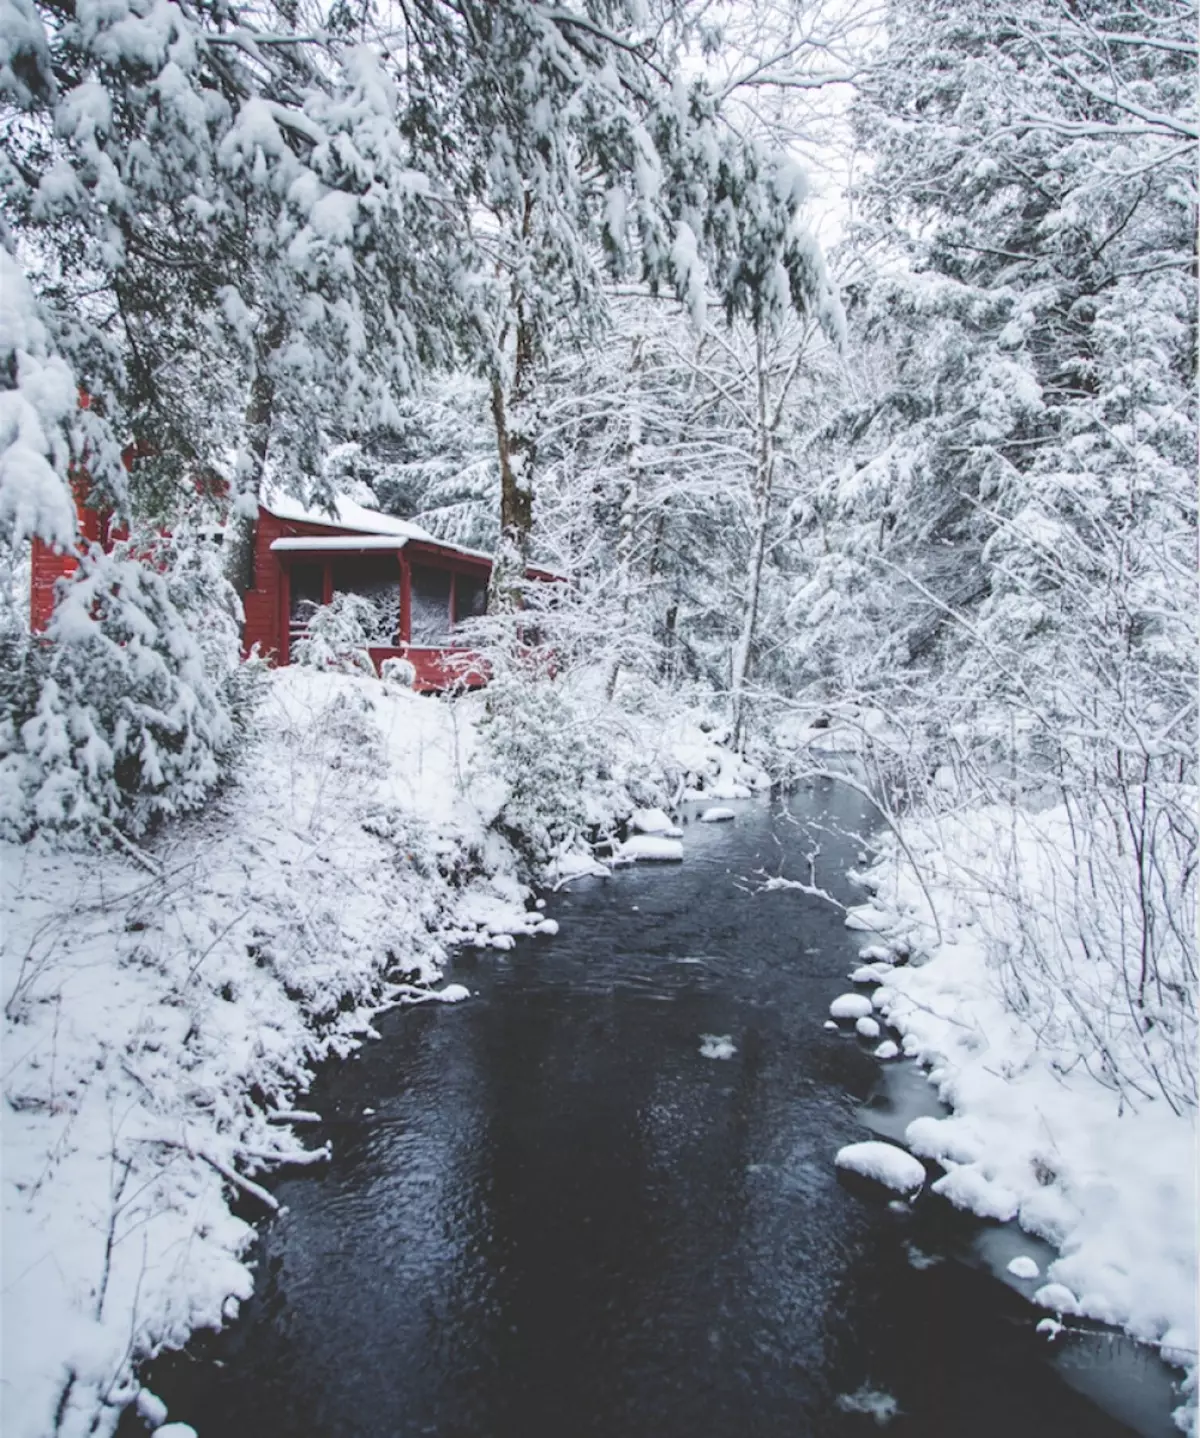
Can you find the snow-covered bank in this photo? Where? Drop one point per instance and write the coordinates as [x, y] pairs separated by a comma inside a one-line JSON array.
[[166, 1005], [164, 1009], [1026, 1021]]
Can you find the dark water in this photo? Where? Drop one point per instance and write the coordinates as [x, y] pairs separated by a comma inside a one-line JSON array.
[[561, 1219]]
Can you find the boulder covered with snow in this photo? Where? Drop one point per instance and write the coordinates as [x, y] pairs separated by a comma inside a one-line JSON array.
[[850, 1006], [653, 821], [653, 848], [717, 815], [869, 918], [883, 1163]]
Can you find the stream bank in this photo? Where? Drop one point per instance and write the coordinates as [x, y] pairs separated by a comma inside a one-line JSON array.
[[599, 1199]]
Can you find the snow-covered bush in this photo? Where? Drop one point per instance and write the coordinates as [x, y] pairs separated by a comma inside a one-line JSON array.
[[546, 751], [119, 715], [338, 635]]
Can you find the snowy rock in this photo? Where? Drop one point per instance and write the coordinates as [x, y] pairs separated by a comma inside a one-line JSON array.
[[717, 1046], [948, 1140], [151, 1407], [578, 865], [1058, 1297], [650, 848], [887, 1050], [829, 1024], [654, 821], [176, 1430], [867, 1028], [885, 1164], [877, 954], [1023, 1267], [870, 918], [870, 974], [716, 815], [453, 994], [968, 1187], [850, 1006]]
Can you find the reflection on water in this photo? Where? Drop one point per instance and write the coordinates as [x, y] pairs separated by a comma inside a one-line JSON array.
[[562, 1218]]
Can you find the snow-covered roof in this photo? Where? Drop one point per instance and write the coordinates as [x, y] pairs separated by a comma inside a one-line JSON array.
[[346, 514], [386, 530]]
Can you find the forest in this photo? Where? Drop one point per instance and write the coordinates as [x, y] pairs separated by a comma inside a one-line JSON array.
[[839, 356]]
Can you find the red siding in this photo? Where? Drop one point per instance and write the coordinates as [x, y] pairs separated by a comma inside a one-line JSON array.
[[48, 566], [261, 604]]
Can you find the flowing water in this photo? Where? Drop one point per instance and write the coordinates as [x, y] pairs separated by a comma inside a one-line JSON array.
[[548, 1213]]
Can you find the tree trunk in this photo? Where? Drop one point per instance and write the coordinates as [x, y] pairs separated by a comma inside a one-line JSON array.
[[763, 480], [515, 446], [252, 462], [627, 525]]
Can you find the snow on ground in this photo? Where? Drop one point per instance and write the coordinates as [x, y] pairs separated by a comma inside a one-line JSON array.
[[884, 1163], [163, 1010], [166, 1006], [1042, 1129]]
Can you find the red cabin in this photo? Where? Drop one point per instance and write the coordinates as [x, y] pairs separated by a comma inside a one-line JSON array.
[[422, 587]]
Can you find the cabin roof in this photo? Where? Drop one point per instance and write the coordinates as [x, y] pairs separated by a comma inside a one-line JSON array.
[[385, 530], [373, 531]]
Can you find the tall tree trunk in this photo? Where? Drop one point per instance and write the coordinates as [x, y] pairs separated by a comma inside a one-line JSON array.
[[252, 461], [764, 474], [631, 499], [513, 419]]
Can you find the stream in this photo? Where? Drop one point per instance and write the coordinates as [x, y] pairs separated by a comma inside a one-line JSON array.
[[548, 1213]]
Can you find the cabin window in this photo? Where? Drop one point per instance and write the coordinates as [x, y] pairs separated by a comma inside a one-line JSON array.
[[375, 578], [470, 597], [306, 587], [430, 595]]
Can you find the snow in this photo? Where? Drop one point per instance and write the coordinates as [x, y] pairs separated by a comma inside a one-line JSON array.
[[649, 848], [867, 1028], [871, 1402], [1024, 1267], [887, 1050], [829, 1024], [1058, 1297], [166, 1007], [654, 821], [870, 974], [1038, 1134], [151, 1407], [577, 865], [885, 1163], [348, 514], [850, 1006], [717, 815], [869, 917], [717, 1046]]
